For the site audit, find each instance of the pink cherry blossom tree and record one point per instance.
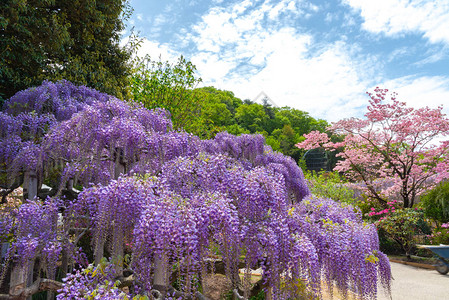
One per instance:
(393, 151)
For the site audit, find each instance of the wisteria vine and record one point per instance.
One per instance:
(166, 198)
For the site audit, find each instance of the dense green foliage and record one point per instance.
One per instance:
(282, 127)
(169, 86)
(330, 185)
(440, 235)
(77, 40)
(436, 203)
(401, 226)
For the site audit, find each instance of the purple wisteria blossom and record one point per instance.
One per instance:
(171, 201)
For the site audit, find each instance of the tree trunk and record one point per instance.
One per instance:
(69, 185)
(30, 185)
(269, 293)
(38, 286)
(99, 251)
(21, 277)
(120, 164)
(117, 249)
(64, 263)
(161, 274)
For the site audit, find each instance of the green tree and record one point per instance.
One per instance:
(226, 97)
(330, 185)
(287, 139)
(236, 129)
(301, 121)
(282, 127)
(216, 114)
(251, 116)
(170, 86)
(77, 40)
(435, 202)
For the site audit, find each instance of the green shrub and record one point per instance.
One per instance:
(436, 203)
(440, 235)
(330, 185)
(401, 226)
(388, 245)
(367, 205)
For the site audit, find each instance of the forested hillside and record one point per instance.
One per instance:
(206, 111)
(282, 127)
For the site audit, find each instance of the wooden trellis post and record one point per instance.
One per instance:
(30, 185)
(117, 235)
(21, 277)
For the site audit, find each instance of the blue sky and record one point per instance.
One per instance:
(316, 56)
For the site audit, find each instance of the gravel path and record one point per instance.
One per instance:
(411, 283)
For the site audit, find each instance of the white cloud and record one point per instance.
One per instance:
(313, 7)
(292, 6)
(239, 52)
(348, 20)
(241, 7)
(329, 17)
(160, 19)
(398, 53)
(239, 31)
(284, 6)
(274, 12)
(434, 55)
(154, 50)
(249, 49)
(431, 91)
(328, 85)
(395, 17)
(212, 69)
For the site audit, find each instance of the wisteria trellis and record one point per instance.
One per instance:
(174, 197)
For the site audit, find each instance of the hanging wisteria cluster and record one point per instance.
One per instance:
(347, 248)
(36, 235)
(61, 100)
(168, 198)
(26, 118)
